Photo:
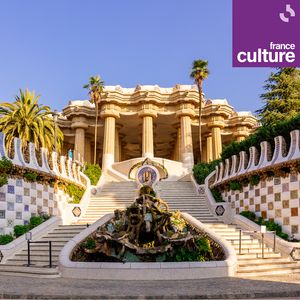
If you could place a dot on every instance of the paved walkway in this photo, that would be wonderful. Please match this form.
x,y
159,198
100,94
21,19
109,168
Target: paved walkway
x,y
221,288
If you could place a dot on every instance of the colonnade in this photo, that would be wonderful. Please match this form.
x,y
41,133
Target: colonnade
x,y
183,150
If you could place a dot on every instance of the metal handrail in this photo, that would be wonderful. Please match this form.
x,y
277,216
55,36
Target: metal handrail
x,y
39,242
262,240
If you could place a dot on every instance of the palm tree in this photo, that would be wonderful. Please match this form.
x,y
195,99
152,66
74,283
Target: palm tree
x,y
29,121
199,73
95,87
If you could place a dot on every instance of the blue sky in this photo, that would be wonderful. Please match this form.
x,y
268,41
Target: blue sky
x,y
53,47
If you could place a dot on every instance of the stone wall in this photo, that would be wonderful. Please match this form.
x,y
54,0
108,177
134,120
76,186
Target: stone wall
x,y
20,200
276,199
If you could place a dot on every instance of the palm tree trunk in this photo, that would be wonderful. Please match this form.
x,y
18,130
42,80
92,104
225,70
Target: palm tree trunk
x,y
96,127
200,118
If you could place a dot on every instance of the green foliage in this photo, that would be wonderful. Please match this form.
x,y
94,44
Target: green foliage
x,y
31,176
5,239
249,215
3,179
270,224
217,195
35,221
29,121
281,97
20,230
254,180
89,243
202,252
75,192
235,186
93,172
147,190
202,170
5,165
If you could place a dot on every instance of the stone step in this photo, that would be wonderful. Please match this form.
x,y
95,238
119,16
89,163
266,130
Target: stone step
x,y
267,272
264,261
267,267
31,271
250,257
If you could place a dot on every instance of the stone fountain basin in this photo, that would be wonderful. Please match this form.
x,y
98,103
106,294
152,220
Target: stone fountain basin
x,y
147,270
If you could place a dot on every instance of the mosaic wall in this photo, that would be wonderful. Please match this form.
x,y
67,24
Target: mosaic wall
x,y
277,199
19,200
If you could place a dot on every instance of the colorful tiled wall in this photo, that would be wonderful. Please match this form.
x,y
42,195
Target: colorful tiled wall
x,y
277,199
19,200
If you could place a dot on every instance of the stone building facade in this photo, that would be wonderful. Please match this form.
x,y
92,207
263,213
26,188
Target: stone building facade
x,y
150,121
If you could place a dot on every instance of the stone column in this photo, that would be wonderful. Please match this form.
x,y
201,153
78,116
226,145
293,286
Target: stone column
x,y
79,144
147,137
88,155
216,125
117,146
178,145
240,133
216,142
204,148
79,124
108,157
209,149
186,141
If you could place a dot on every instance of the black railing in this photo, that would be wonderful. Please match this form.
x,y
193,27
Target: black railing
x,y
39,242
262,240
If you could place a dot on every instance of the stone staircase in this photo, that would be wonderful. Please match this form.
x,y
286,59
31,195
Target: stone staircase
x,y
17,265
114,195
181,195
250,261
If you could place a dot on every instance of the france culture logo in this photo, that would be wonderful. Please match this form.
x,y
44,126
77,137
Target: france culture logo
x,y
266,33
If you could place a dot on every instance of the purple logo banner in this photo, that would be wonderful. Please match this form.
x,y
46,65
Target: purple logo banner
x,y
266,33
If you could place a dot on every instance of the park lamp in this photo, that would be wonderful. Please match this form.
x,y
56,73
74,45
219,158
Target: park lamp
x,y
28,236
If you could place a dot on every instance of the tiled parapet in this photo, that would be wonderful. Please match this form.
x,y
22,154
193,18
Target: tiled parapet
x,y
73,173
258,160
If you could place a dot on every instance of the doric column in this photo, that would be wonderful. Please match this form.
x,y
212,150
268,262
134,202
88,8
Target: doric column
x,y
109,116
117,146
87,151
79,124
204,148
215,125
187,155
209,149
240,133
147,137
178,145
216,142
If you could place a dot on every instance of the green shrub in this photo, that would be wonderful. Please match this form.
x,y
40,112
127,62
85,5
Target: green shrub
x,y
20,230
254,180
5,165
75,192
89,243
31,176
3,179
249,215
217,195
235,186
93,172
5,239
35,221
202,170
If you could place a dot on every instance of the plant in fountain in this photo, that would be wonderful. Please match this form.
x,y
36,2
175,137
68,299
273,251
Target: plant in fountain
x,y
147,231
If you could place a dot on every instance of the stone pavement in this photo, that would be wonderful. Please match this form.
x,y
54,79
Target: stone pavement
x,y
12,287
